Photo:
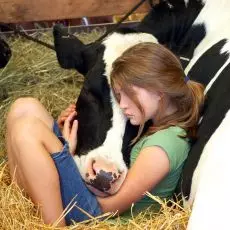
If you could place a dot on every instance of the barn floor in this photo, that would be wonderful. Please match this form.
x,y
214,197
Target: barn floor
x,y
34,71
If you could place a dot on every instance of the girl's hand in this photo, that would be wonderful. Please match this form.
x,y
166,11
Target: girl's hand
x,y
70,132
64,114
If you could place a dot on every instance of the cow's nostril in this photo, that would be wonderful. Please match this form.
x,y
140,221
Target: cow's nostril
x,y
94,172
91,172
115,176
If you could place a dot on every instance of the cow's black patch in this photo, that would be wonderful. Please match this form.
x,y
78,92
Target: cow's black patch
x,y
170,21
130,133
94,107
190,41
126,30
209,63
102,181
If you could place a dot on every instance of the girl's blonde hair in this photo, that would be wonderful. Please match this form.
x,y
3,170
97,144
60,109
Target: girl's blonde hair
x,y
155,68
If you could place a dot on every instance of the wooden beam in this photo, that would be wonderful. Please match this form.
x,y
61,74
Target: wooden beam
x,y
14,11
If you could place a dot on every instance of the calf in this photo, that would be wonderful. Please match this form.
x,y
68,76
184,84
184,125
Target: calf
x,y
103,135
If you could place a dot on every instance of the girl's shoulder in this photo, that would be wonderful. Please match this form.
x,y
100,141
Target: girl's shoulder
x,y
170,140
168,135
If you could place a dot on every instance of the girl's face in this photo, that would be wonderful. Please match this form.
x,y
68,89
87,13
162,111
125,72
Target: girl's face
x,y
148,100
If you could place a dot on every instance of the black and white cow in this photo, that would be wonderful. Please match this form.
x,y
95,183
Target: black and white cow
x,y
103,135
205,176
196,30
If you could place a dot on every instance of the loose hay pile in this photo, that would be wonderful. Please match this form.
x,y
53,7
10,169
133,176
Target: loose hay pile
x,y
33,71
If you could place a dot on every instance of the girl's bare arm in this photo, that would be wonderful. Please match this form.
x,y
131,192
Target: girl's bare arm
x,y
151,166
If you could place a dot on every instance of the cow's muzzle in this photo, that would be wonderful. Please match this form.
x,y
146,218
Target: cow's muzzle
x,y
103,178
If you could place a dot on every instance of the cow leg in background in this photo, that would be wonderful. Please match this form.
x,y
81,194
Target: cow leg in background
x,y
5,53
210,209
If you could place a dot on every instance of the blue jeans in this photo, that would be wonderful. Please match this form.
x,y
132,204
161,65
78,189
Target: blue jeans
x,y
73,188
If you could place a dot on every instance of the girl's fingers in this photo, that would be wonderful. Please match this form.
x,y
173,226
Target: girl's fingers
x,y
68,112
73,137
66,129
67,126
64,116
70,133
71,107
63,119
71,116
73,133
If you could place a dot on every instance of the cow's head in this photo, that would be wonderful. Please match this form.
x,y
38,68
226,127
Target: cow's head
x,y
103,135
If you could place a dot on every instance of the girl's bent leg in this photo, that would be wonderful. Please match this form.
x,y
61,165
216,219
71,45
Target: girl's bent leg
x,y
29,142
29,106
26,106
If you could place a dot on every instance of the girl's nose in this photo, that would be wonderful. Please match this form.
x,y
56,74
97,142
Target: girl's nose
x,y
123,103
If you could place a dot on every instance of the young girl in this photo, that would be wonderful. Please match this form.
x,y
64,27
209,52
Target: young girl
x,y
149,83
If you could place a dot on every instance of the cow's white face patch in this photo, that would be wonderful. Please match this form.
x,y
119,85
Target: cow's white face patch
x,y
210,179
110,150
117,43
216,27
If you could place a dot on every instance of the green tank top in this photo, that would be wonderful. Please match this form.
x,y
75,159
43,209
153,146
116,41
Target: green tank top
x,y
177,149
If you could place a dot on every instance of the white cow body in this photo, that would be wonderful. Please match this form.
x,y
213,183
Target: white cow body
x,y
210,183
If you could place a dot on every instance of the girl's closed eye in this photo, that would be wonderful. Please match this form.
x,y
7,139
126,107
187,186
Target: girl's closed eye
x,y
118,96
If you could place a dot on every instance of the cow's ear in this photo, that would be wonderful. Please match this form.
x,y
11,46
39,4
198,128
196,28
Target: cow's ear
x,y
92,54
69,50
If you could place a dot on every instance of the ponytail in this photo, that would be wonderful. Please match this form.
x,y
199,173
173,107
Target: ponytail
x,y
196,92
189,102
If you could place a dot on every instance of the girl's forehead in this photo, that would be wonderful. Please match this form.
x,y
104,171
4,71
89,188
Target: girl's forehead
x,y
121,88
